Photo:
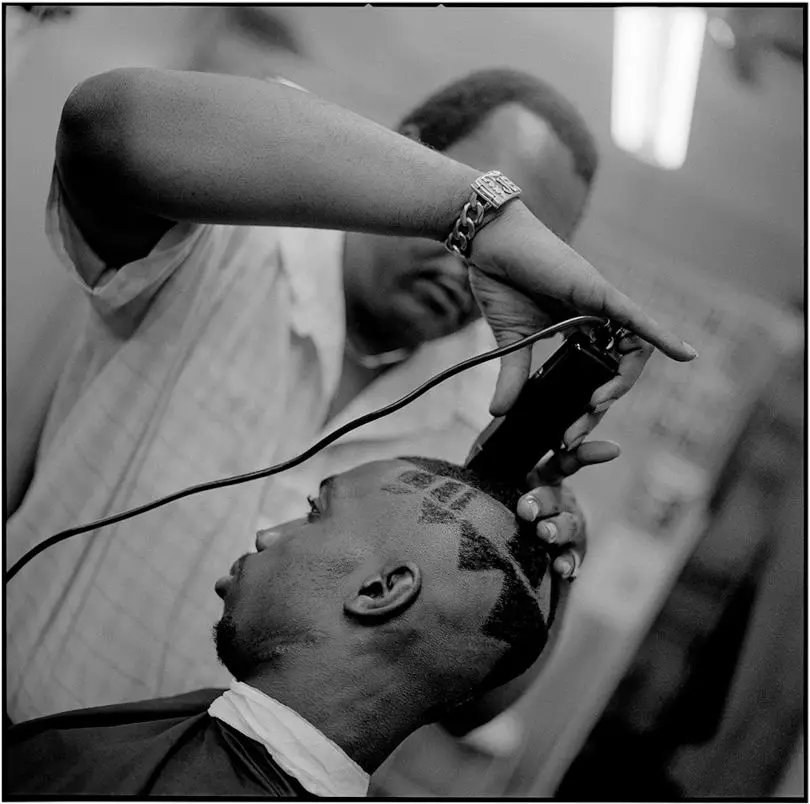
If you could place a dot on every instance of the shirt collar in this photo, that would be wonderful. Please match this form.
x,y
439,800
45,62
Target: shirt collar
x,y
312,261
301,750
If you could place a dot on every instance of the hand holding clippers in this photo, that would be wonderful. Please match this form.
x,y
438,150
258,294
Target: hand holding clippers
x,y
553,398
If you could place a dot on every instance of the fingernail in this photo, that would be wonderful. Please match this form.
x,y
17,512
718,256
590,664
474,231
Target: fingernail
x,y
602,406
691,349
566,568
550,532
528,508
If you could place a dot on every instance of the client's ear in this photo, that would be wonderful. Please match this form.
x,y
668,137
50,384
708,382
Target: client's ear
x,y
385,593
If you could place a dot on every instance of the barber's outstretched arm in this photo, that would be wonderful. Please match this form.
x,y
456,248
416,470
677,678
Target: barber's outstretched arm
x,y
184,146
139,149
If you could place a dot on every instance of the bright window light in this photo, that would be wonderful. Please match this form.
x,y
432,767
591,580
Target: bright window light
x,y
656,60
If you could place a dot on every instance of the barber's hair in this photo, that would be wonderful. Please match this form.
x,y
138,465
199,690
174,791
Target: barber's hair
x,y
455,111
517,618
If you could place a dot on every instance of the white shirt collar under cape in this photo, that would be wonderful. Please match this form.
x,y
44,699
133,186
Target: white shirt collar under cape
x,y
301,750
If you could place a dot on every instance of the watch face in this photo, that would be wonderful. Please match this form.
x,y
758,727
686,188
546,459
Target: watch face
x,y
495,188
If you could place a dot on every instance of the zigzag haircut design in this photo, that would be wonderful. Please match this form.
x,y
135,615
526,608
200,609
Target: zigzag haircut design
x,y
517,617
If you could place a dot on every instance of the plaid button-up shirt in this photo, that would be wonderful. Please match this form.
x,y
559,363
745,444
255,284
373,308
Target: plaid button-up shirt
x,y
216,354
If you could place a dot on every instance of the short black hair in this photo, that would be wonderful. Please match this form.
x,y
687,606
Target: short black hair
x,y
516,618
456,110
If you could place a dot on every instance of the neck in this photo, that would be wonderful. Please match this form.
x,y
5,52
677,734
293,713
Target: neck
x,y
363,708
353,380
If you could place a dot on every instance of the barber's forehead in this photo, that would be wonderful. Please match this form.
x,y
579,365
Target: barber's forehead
x,y
516,120
509,131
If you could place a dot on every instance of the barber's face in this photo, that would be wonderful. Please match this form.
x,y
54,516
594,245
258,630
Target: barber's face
x,y
401,291
290,592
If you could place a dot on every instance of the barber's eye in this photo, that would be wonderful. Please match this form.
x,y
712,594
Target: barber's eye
x,y
314,511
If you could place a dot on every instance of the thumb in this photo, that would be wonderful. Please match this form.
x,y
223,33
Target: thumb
x,y
511,378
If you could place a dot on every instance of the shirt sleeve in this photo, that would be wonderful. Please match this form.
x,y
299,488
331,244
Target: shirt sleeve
x,y
116,287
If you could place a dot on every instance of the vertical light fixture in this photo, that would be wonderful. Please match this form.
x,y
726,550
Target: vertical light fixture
x,y
656,60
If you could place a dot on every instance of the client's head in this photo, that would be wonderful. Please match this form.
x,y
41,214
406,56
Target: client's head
x,y
409,577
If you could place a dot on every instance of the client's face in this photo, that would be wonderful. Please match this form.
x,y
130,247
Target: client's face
x,y
291,591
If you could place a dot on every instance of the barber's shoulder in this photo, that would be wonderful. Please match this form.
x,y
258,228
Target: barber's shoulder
x,y
90,166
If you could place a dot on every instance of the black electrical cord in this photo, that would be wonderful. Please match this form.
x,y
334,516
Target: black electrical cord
x,y
315,448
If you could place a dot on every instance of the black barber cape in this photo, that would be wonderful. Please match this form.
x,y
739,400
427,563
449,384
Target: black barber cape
x,y
166,746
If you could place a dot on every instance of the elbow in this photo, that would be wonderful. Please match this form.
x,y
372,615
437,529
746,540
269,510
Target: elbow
x,y
96,134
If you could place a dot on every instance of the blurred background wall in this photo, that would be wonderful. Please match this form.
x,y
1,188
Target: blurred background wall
x,y
716,247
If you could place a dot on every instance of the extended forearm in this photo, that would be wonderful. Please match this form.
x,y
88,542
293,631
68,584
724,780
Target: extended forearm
x,y
225,149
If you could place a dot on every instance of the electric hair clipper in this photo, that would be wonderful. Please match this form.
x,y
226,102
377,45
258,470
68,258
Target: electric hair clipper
x,y
552,399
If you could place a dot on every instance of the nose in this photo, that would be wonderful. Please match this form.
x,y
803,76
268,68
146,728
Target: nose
x,y
268,536
264,538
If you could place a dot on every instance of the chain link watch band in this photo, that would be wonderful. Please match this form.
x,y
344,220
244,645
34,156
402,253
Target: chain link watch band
x,y
489,193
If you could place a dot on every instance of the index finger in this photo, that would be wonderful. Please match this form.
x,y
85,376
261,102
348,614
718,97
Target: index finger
x,y
621,309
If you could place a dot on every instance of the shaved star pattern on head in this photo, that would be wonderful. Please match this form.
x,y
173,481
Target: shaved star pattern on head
x,y
522,564
525,608
460,503
446,491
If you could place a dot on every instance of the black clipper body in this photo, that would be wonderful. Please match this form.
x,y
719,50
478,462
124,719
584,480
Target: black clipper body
x,y
552,399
